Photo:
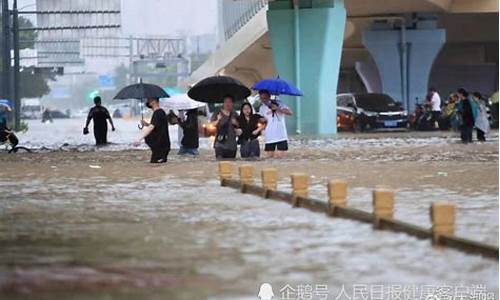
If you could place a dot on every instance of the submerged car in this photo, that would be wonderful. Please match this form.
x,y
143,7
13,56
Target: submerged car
x,y
362,112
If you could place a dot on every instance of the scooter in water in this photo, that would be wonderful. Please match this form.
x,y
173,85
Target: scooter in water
x,y
10,140
422,119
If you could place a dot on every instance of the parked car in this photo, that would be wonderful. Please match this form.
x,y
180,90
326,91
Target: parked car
x,y
361,112
57,114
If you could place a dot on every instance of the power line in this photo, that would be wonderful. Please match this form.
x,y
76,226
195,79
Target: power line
x,y
70,12
50,28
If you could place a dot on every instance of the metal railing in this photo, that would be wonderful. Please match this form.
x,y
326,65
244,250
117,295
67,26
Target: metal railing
x,y
237,14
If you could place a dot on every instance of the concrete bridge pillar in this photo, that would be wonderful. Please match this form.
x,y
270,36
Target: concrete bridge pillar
x,y
306,38
404,60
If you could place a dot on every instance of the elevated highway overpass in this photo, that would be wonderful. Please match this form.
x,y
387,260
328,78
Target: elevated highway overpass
x,y
399,47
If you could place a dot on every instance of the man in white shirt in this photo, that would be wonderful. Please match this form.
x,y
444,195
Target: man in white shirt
x,y
435,102
275,136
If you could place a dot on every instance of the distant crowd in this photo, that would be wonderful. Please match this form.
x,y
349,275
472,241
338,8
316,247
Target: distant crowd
x,y
462,111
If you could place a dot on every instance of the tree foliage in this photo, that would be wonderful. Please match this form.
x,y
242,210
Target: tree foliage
x,y
33,85
26,38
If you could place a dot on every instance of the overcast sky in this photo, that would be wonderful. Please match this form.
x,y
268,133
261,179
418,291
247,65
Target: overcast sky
x,y
160,17
164,17
171,18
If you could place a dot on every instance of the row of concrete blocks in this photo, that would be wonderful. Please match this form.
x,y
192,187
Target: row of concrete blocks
x,y
442,214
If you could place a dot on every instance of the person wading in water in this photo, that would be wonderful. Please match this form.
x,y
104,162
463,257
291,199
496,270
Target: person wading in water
x,y
226,122
155,133
100,115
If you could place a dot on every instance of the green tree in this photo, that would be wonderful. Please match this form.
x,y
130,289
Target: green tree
x,y
121,76
33,85
27,38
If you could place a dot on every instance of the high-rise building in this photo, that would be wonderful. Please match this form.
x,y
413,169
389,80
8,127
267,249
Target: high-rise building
x,y
64,23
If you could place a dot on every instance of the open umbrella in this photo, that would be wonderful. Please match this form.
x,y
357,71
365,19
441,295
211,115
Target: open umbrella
x,y
213,89
172,91
181,102
141,91
277,86
6,104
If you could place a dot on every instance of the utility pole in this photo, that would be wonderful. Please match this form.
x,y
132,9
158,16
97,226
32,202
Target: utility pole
x,y
6,64
15,92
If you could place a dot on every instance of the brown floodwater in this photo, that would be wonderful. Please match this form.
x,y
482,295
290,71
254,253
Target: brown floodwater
x,y
102,224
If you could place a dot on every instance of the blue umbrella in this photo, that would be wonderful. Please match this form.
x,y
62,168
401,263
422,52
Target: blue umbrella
x,y
172,91
277,86
6,103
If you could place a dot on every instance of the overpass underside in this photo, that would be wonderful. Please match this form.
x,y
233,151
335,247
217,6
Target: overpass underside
x,y
400,48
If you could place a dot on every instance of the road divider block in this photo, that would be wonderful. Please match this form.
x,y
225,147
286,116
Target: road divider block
x,y
442,214
225,170
383,205
246,176
443,220
337,193
300,186
269,180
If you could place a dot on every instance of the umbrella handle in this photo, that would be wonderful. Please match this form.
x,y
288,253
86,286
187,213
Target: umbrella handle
x,y
140,126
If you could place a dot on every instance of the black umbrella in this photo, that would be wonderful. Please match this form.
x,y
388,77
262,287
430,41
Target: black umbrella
x,y
141,91
213,89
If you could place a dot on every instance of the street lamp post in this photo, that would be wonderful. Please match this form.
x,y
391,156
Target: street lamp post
x,y
16,90
6,64
296,19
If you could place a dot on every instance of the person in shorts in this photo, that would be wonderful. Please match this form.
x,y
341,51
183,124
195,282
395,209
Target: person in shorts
x,y
275,135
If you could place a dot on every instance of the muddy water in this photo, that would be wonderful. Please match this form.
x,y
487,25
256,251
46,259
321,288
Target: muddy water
x,y
85,223
106,238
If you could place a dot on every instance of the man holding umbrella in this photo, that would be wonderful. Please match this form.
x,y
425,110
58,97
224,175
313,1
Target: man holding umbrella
x,y
276,136
226,122
155,133
274,111
225,90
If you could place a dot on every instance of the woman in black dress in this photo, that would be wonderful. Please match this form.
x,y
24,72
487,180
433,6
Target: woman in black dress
x,y
155,133
251,126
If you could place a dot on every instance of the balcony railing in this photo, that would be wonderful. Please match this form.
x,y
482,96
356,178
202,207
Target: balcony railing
x,y
238,13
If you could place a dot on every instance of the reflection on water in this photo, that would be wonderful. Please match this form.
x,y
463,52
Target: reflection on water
x,y
164,238
67,135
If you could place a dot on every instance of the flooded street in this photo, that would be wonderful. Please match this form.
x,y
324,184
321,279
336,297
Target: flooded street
x,y
79,222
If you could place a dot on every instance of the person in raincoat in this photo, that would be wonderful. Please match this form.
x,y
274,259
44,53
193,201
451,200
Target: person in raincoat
x,y
467,111
450,117
190,139
100,115
481,122
494,108
226,123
